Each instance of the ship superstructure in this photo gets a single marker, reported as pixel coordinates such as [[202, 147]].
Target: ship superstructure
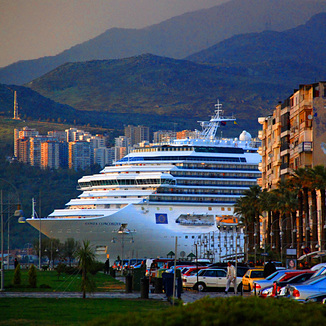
[[157, 193]]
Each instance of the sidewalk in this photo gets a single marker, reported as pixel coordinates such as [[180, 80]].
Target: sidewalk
[[187, 296]]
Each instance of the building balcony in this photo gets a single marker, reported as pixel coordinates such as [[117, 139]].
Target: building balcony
[[305, 147], [261, 134]]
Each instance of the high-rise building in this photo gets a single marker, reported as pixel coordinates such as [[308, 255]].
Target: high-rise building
[[23, 133], [50, 154], [104, 156], [137, 134], [164, 136], [58, 135], [35, 149], [80, 155]]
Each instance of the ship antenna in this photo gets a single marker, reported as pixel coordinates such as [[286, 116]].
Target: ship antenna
[[210, 128]]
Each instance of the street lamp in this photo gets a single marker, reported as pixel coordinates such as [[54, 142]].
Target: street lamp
[[123, 231], [17, 213]]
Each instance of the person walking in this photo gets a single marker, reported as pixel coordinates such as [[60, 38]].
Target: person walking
[[269, 268], [230, 277]]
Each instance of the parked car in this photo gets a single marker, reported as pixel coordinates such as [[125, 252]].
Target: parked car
[[320, 298], [191, 270], [301, 292], [269, 280], [241, 268], [207, 278], [288, 278], [252, 274]]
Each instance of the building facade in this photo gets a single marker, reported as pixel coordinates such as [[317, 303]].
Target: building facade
[[294, 136]]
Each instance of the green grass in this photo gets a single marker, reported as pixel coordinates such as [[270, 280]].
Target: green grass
[[26, 311], [65, 283]]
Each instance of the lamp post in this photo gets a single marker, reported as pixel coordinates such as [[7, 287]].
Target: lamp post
[[272, 233], [18, 212]]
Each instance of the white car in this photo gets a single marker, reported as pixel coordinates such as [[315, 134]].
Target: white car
[[208, 278]]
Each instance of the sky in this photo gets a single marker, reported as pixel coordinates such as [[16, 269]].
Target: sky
[[30, 29]]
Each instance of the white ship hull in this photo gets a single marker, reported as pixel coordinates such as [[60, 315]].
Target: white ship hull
[[151, 232]]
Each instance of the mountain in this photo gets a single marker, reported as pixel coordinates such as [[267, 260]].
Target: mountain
[[177, 37], [301, 46], [158, 91], [33, 105]]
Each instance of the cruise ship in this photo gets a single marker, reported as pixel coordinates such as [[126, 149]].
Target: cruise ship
[[164, 199]]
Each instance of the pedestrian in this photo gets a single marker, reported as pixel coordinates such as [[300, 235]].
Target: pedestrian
[[230, 277], [107, 267], [15, 263], [269, 268]]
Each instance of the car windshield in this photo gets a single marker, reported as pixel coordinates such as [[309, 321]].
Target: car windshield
[[272, 276], [256, 274]]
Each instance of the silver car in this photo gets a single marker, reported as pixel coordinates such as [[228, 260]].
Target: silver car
[[207, 278], [306, 289]]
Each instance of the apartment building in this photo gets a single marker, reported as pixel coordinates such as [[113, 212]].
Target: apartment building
[[137, 134], [79, 155], [294, 136], [50, 154]]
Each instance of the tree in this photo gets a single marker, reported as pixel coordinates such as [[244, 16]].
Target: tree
[[301, 181], [32, 276], [267, 200], [51, 248], [17, 276], [319, 183], [287, 205], [86, 258], [70, 247], [249, 209]]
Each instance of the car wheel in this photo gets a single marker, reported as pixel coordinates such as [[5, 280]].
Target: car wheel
[[201, 287]]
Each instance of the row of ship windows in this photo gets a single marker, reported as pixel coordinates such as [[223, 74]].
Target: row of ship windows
[[182, 158], [155, 198], [217, 166], [216, 183], [125, 182], [201, 191], [234, 175]]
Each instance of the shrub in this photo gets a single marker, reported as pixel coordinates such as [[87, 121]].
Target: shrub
[[233, 311], [17, 276], [45, 286], [32, 276], [96, 267], [72, 270], [60, 269]]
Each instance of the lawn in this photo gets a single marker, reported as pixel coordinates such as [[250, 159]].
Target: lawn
[[49, 281], [26, 311]]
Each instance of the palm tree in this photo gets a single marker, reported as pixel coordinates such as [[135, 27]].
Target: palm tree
[[287, 204], [319, 183], [248, 207], [266, 204], [301, 181], [86, 258]]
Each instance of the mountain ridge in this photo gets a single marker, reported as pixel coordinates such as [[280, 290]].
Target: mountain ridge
[[176, 37]]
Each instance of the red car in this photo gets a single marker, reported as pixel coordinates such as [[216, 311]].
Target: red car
[[272, 291], [193, 270]]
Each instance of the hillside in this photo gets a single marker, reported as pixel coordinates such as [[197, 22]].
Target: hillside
[[158, 91], [33, 105], [301, 45], [177, 37]]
